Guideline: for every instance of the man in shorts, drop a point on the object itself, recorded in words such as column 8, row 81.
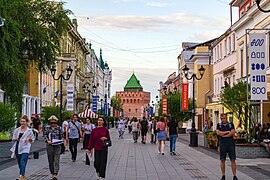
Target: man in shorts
column 144, row 129
column 225, row 130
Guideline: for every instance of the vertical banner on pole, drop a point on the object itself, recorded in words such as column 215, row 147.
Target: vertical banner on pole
column 105, row 109
column 70, row 92
column 257, row 65
column 94, row 104
column 164, row 105
column 184, row 96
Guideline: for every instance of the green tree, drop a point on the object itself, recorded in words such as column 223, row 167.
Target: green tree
column 31, row 34
column 174, row 108
column 51, row 110
column 116, row 103
column 8, row 117
column 235, row 100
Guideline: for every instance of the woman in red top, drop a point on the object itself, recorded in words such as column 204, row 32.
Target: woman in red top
column 99, row 134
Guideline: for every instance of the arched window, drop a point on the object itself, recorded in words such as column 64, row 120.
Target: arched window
column 124, row 100
column 131, row 101
column 134, row 100
column 127, row 101
column 129, row 110
column 138, row 100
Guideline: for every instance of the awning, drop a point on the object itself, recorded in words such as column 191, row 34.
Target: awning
column 87, row 113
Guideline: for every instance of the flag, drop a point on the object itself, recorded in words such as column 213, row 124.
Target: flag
column 44, row 89
column 56, row 94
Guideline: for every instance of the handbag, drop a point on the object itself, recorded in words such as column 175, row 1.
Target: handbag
column 158, row 129
column 107, row 143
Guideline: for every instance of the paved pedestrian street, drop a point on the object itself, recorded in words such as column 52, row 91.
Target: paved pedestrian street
column 132, row 161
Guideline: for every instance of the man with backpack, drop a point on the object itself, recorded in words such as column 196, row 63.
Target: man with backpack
column 225, row 131
column 74, row 133
column 144, row 129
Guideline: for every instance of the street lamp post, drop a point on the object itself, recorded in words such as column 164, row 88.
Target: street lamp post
column 61, row 77
column 87, row 89
column 260, row 8
column 193, row 77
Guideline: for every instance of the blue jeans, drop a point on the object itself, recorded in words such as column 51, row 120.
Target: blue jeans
column 22, row 161
column 172, row 142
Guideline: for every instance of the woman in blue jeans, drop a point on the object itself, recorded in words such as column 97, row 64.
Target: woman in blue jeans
column 23, row 137
column 172, row 126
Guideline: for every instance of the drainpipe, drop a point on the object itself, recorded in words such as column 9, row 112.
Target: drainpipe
column 210, row 85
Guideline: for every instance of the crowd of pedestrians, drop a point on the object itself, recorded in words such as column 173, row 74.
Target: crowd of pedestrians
column 96, row 139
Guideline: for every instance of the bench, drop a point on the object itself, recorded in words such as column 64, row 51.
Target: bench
column 250, row 151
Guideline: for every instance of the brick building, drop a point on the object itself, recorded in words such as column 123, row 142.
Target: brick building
column 135, row 101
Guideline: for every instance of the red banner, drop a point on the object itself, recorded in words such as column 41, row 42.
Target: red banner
column 164, row 106
column 184, row 96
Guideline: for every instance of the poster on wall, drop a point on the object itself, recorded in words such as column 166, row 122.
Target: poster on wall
column 257, row 54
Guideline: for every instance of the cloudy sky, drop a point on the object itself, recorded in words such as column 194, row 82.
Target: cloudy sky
column 145, row 36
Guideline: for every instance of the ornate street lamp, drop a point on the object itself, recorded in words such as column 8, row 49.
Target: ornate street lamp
column 260, row 8
column 87, row 89
column 193, row 77
column 61, row 77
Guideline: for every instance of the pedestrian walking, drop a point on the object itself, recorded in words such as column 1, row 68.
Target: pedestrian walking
column 65, row 131
column 154, row 131
column 98, row 136
column 150, row 124
column 121, row 127
column 225, row 130
column 53, row 135
column 75, row 133
column 161, row 134
column 88, row 128
column 172, row 127
column 23, row 137
column 135, row 126
column 35, row 124
column 144, row 129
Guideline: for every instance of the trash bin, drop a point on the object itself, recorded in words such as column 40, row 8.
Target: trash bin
column 36, row 155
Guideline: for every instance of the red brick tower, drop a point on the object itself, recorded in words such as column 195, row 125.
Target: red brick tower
column 134, row 99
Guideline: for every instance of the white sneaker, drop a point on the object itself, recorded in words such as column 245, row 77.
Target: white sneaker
column 97, row 174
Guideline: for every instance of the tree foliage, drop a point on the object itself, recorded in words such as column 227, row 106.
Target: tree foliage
column 174, row 107
column 116, row 103
column 51, row 110
column 8, row 117
column 234, row 99
column 31, row 34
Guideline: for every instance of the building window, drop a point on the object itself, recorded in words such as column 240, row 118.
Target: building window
column 242, row 62
column 218, row 86
column 225, row 47
column 230, row 45
column 221, row 82
column 217, row 52
column 233, row 79
column 127, row 101
column 124, row 100
column 138, row 100
column 215, row 87
column 136, row 110
column 131, row 101
column 233, row 42
column 129, row 110
column 134, row 100
column 106, row 83
column 220, row 50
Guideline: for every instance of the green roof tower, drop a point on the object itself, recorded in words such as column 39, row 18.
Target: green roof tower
column 133, row 84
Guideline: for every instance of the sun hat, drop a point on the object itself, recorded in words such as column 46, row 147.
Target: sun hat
column 53, row 117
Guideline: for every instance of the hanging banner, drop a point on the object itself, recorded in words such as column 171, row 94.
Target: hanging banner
column 184, row 96
column 70, row 93
column 105, row 109
column 164, row 106
column 94, row 104
column 257, row 54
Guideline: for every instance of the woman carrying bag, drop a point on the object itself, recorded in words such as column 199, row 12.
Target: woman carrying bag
column 99, row 141
column 23, row 137
column 88, row 127
column 53, row 135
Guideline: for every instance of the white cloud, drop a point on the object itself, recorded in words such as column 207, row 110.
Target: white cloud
column 179, row 20
column 204, row 36
column 159, row 4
